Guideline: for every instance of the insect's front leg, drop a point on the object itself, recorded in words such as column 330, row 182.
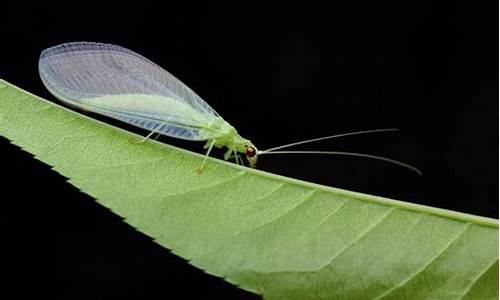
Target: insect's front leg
column 208, row 143
column 238, row 158
column 231, row 153
column 228, row 153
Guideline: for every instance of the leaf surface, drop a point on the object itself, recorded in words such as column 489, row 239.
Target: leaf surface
column 276, row 236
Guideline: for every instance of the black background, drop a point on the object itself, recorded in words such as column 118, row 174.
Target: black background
column 278, row 73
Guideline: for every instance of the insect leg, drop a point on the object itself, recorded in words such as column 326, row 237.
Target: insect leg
column 200, row 169
column 236, row 156
column 157, row 136
column 228, row 153
column 149, row 135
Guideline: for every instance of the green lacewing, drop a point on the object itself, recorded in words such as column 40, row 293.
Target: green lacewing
column 119, row 83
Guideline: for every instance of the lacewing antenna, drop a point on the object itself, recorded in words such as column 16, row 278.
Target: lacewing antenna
column 392, row 161
column 327, row 137
column 396, row 162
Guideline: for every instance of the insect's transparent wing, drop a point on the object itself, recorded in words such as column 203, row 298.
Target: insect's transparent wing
column 154, row 124
column 77, row 72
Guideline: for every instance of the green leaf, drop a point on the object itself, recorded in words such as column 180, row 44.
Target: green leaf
column 276, row 236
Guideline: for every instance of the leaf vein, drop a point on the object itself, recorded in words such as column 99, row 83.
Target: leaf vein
column 478, row 276
column 278, row 217
column 203, row 188
column 429, row 263
column 359, row 237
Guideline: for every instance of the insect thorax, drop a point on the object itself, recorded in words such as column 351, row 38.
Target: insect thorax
column 227, row 136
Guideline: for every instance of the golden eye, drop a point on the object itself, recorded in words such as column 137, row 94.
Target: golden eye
column 250, row 152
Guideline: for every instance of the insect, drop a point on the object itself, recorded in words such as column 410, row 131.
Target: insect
column 119, row 83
